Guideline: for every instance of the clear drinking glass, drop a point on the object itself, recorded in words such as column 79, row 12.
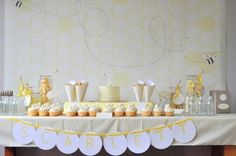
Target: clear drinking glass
column 199, row 104
column 1, row 105
column 212, row 105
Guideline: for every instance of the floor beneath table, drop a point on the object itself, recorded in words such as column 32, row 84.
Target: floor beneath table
column 176, row 150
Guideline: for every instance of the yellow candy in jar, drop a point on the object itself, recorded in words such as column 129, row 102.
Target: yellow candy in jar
column 45, row 87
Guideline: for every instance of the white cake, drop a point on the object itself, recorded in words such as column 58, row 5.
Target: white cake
column 109, row 93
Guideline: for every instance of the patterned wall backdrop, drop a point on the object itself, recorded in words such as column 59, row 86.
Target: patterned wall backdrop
column 117, row 40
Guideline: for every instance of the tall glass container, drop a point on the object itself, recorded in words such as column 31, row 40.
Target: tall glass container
column 190, row 102
column 45, row 84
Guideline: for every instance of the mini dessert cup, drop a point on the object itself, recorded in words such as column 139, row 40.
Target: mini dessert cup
column 43, row 113
column 58, row 113
column 92, row 113
column 147, row 113
column 71, row 113
column 119, row 113
column 169, row 113
column 82, row 113
column 157, row 113
column 130, row 113
column 33, row 112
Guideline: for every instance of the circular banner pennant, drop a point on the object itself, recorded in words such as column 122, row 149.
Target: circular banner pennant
column 138, row 142
column 90, row 144
column 115, row 145
column 68, row 143
column 184, row 132
column 23, row 133
column 45, row 138
column 161, row 138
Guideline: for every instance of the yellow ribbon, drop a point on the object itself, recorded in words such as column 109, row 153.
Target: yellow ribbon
column 97, row 134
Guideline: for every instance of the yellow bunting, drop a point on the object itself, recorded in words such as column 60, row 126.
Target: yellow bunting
column 180, row 122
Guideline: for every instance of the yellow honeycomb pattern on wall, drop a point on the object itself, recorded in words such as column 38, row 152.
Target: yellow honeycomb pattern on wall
column 117, row 40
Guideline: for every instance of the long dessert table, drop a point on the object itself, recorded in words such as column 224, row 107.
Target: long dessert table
column 211, row 130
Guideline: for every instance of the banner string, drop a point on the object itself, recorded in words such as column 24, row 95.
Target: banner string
column 158, row 128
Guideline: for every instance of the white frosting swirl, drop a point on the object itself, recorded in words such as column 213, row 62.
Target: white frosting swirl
column 131, row 108
column 120, row 108
column 72, row 109
column 157, row 108
column 93, row 109
column 83, row 109
column 37, row 106
column 32, row 109
column 55, row 109
column 108, row 109
column 147, row 109
column 168, row 108
column 44, row 108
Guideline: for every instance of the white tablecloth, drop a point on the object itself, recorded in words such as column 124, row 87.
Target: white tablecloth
column 211, row 130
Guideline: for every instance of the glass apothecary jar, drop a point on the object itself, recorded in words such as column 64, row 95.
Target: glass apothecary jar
column 45, row 86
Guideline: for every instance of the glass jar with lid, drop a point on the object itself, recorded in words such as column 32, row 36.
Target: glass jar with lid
column 45, row 86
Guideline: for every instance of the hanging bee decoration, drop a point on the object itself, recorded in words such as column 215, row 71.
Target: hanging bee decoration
column 209, row 57
column 18, row 3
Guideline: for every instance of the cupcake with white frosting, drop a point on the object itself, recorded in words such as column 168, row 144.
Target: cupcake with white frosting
column 44, row 110
column 37, row 106
column 147, row 111
column 157, row 110
column 33, row 111
column 120, row 110
column 131, row 110
column 108, row 109
column 169, row 111
column 93, row 110
column 58, row 106
column 72, row 111
column 83, row 111
column 55, row 111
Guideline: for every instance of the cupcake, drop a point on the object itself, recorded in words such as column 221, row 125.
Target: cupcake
column 33, row 111
column 108, row 109
column 72, row 111
column 131, row 111
column 44, row 110
column 147, row 111
column 57, row 106
column 157, row 111
column 83, row 111
column 99, row 109
column 120, row 110
column 93, row 111
column 55, row 111
column 169, row 111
